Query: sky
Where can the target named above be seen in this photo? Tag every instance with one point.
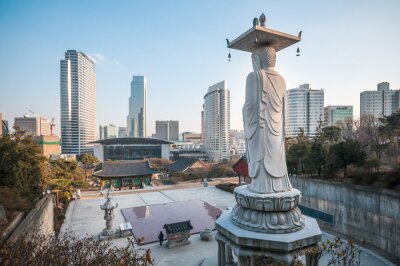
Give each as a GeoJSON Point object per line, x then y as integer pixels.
{"type": "Point", "coordinates": [347, 47]}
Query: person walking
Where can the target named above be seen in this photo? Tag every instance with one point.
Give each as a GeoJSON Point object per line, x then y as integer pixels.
{"type": "Point", "coordinates": [161, 237]}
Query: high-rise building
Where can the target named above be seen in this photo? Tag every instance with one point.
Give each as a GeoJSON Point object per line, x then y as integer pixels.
{"type": "Point", "coordinates": [304, 109]}
{"type": "Point", "coordinates": [78, 103]}
{"type": "Point", "coordinates": [202, 125]}
{"type": "Point", "coordinates": [383, 101]}
{"type": "Point", "coordinates": [217, 121]}
{"type": "Point", "coordinates": [35, 126]}
{"type": "Point", "coordinates": [122, 132]}
{"type": "Point", "coordinates": [108, 132]}
{"type": "Point", "coordinates": [5, 128]}
{"type": "Point", "coordinates": [167, 130]}
{"type": "Point", "coordinates": [334, 114]}
{"type": "Point", "coordinates": [1, 121]}
{"type": "Point", "coordinates": [137, 118]}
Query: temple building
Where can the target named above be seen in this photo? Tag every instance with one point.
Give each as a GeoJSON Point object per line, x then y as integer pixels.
{"type": "Point", "coordinates": [129, 174]}
{"type": "Point", "coordinates": [131, 149]}
{"type": "Point", "coordinates": [186, 165]}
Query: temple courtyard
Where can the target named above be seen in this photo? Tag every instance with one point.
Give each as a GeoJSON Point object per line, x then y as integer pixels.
{"type": "Point", "coordinates": [84, 217]}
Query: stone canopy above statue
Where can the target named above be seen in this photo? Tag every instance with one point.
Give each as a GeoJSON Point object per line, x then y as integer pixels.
{"type": "Point", "coordinates": [260, 36]}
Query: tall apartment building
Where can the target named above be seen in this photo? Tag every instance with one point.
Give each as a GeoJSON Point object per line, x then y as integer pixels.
{"type": "Point", "coordinates": [108, 132]}
{"type": "Point", "coordinates": [304, 108]}
{"type": "Point", "coordinates": [78, 103]}
{"type": "Point", "coordinates": [137, 118]}
{"type": "Point", "coordinates": [334, 114]}
{"type": "Point", "coordinates": [217, 121]}
{"type": "Point", "coordinates": [383, 101]}
{"type": "Point", "coordinates": [35, 126]}
{"type": "Point", "coordinates": [122, 132]}
{"type": "Point", "coordinates": [167, 130]}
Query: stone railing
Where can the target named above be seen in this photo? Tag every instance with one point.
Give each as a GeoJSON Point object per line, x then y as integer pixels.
{"type": "Point", "coordinates": [364, 213]}
{"type": "Point", "coordinates": [40, 219]}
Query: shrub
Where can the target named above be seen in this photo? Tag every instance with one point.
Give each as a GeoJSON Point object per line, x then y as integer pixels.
{"type": "Point", "coordinates": [12, 199]}
{"type": "Point", "coordinates": [67, 249]}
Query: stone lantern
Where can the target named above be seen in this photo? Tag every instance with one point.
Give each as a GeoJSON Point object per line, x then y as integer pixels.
{"type": "Point", "coordinates": [108, 208]}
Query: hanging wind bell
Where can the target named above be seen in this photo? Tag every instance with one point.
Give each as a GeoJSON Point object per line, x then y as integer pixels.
{"type": "Point", "coordinates": [298, 45]}
{"type": "Point", "coordinates": [229, 53]}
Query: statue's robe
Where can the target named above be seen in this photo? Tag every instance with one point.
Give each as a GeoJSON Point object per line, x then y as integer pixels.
{"type": "Point", "coordinates": [263, 119]}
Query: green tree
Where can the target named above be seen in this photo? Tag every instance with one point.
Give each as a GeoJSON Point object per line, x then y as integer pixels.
{"type": "Point", "coordinates": [88, 159]}
{"type": "Point", "coordinates": [390, 129]}
{"type": "Point", "coordinates": [22, 166]}
{"type": "Point", "coordinates": [296, 157]}
{"type": "Point", "coordinates": [346, 153]}
{"type": "Point", "coordinates": [331, 134]}
{"type": "Point", "coordinates": [65, 169]}
{"type": "Point", "coordinates": [316, 158]}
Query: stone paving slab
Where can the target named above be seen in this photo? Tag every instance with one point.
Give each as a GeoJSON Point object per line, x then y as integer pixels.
{"type": "Point", "coordinates": [85, 217]}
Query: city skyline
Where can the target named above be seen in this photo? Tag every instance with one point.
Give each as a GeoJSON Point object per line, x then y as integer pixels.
{"type": "Point", "coordinates": [186, 40]}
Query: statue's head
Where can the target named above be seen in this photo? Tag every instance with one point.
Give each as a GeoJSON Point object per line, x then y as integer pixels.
{"type": "Point", "coordinates": [263, 58]}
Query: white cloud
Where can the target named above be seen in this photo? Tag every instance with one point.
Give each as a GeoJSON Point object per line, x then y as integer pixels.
{"type": "Point", "coordinates": [97, 58]}
{"type": "Point", "coordinates": [100, 59]}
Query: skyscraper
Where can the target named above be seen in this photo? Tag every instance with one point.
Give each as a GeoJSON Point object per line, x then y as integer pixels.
{"type": "Point", "coordinates": [108, 132]}
{"type": "Point", "coordinates": [78, 102]}
{"type": "Point", "coordinates": [122, 132]}
{"type": "Point", "coordinates": [202, 126]}
{"type": "Point", "coordinates": [383, 101]}
{"type": "Point", "coordinates": [217, 121]}
{"type": "Point", "coordinates": [167, 130]}
{"type": "Point", "coordinates": [137, 118]}
{"type": "Point", "coordinates": [336, 114]}
{"type": "Point", "coordinates": [35, 126]}
{"type": "Point", "coordinates": [304, 108]}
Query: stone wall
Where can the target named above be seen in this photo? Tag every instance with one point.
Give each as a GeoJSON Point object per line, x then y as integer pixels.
{"type": "Point", "coordinates": [40, 219]}
{"type": "Point", "coordinates": [362, 212]}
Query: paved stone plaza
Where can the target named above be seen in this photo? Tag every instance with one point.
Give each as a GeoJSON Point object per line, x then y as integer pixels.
{"type": "Point", "coordinates": [84, 217]}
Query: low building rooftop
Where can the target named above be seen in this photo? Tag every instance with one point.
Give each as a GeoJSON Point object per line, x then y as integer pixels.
{"type": "Point", "coordinates": [126, 141]}
{"type": "Point", "coordinates": [125, 169]}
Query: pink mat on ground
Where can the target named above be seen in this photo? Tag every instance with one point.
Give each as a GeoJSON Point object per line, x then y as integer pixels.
{"type": "Point", "coordinates": [148, 221]}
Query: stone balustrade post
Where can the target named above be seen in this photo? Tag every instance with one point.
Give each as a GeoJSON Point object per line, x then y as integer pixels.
{"type": "Point", "coordinates": [253, 260]}
{"type": "Point", "coordinates": [221, 254]}
{"type": "Point", "coordinates": [311, 260]}
{"type": "Point", "coordinates": [229, 256]}
{"type": "Point", "coordinates": [242, 261]}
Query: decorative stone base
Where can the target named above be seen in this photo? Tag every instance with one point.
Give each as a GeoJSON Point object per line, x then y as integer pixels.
{"type": "Point", "coordinates": [274, 213]}
{"type": "Point", "coordinates": [250, 245]}
{"type": "Point", "coordinates": [178, 243]}
{"type": "Point", "coordinates": [268, 222]}
{"type": "Point", "coordinates": [279, 201]}
{"type": "Point", "coordinates": [107, 232]}
{"type": "Point", "coordinates": [111, 234]}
